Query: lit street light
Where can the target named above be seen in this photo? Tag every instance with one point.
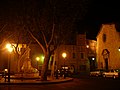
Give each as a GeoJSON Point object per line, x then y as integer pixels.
{"type": "Point", "coordinates": [40, 61]}
{"type": "Point", "coordinates": [37, 58]}
{"type": "Point", "coordinates": [10, 49]}
{"type": "Point", "coordinates": [5, 71]}
{"type": "Point", "coordinates": [64, 55]}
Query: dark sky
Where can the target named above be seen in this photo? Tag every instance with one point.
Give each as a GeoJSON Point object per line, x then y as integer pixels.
{"type": "Point", "coordinates": [88, 14]}
{"type": "Point", "coordinates": [99, 12]}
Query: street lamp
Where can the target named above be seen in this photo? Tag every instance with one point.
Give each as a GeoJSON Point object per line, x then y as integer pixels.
{"type": "Point", "coordinates": [37, 58]}
{"type": "Point", "coordinates": [5, 71]}
{"type": "Point", "coordinates": [64, 55]}
{"type": "Point", "coordinates": [10, 49]}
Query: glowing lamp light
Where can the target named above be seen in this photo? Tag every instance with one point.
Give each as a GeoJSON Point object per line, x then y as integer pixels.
{"type": "Point", "coordinates": [6, 70]}
{"type": "Point", "coordinates": [93, 58]}
{"type": "Point", "coordinates": [64, 55]}
{"type": "Point", "coordinates": [87, 46]}
{"type": "Point", "coordinates": [9, 47]}
{"type": "Point", "coordinates": [119, 49]}
{"type": "Point", "coordinates": [42, 57]}
{"type": "Point", "coordinates": [37, 58]}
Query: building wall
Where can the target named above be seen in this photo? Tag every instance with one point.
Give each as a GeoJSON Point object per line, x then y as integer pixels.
{"type": "Point", "coordinates": [111, 43]}
{"type": "Point", "coordinates": [81, 47]}
{"type": "Point", "coordinates": [69, 60]}
{"type": "Point", "coordinates": [76, 55]}
{"type": "Point", "coordinates": [91, 53]}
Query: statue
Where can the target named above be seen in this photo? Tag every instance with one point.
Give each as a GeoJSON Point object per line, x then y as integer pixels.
{"type": "Point", "coordinates": [27, 71]}
{"type": "Point", "coordinates": [27, 67]}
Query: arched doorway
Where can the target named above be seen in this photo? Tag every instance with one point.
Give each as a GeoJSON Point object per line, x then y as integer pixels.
{"type": "Point", "coordinates": [105, 54]}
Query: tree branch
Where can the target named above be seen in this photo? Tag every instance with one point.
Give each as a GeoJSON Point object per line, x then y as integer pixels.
{"type": "Point", "coordinates": [36, 40]}
{"type": "Point", "coordinates": [52, 34]}
{"type": "Point", "coordinates": [44, 38]}
{"type": "Point", "coordinates": [3, 27]}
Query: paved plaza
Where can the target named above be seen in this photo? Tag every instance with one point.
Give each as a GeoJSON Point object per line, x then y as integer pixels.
{"type": "Point", "coordinates": [35, 81]}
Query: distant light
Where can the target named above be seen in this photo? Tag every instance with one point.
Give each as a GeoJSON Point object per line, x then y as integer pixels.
{"type": "Point", "coordinates": [87, 46]}
{"type": "Point", "coordinates": [6, 70]}
{"type": "Point", "coordinates": [42, 57]}
{"type": "Point", "coordinates": [64, 55]}
{"type": "Point", "coordinates": [119, 49]}
{"type": "Point", "coordinates": [93, 58]}
{"type": "Point", "coordinates": [37, 58]}
{"type": "Point", "coordinates": [64, 67]}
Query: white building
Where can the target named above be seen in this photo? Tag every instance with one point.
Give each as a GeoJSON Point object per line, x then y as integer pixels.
{"type": "Point", "coordinates": [108, 44]}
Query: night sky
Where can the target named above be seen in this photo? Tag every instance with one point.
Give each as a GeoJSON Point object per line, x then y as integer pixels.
{"type": "Point", "coordinates": [99, 12]}
{"type": "Point", "coordinates": [88, 15]}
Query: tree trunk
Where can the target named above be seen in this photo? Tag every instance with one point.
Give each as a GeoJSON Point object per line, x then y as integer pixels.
{"type": "Point", "coordinates": [45, 67]}
{"type": "Point", "coordinates": [53, 69]}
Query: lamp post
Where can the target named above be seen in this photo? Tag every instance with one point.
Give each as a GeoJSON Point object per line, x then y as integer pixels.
{"type": "Point", "coordinates": [64, 55]}
{"type": "Point", "coordinates": [5, 71]}
{"type": "Point", "coordinates": [37, 58]}
{"type": "Point", "coordinates": [10, 49]}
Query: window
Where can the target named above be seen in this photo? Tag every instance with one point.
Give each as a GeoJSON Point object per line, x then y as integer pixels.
{"type": "Point", "coordinates": [81, 48]}
{"type": "Point", "coordinates": [104, 37]}
{"type": "Point", "coordinates": [82, 55]}
{"type": "Point", "coordinates": [73, 55]}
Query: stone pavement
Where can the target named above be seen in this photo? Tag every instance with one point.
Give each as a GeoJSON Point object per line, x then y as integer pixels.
{"type": "Point", "coordinates": [35, 81]}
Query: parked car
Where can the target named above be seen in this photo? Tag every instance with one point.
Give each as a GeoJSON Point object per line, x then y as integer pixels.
{"type": "Point", "coordinates": [96, 73]}
{"type": "Point", "coordinates": [111, 73]}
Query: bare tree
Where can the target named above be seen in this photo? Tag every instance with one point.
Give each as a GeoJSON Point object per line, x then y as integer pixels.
{"type": "Point", "coordinates": [48, 23]}
{"type": "Point", "coordinates": [48, 32]}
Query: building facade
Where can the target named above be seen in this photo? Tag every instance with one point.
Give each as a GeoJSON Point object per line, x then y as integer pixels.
{"type": "Point", "coordinates": [79, 56]}
{"type": "Point", "coordinates": [91, 53]}
{"type": "Point", "coordinates": [108, 45]}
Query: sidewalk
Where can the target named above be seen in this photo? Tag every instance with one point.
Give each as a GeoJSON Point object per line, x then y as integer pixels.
{"type": "Point", "coordinates": [35, 81]}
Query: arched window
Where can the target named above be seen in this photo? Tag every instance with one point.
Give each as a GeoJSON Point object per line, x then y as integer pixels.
{"type": "Point", "coordinates": [104, 37]}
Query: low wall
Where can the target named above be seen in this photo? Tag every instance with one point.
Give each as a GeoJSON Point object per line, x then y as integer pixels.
{"type": "Point", "coordinates": [27, 75]}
